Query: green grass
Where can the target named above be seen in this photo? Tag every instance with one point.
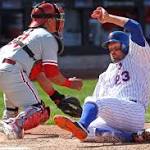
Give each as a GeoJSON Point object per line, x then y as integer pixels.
{"type": "Point", "coordinates": [86, 91]}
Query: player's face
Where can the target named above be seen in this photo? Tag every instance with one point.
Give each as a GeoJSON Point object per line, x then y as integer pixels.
{"type": "Point", "coordinates": [54, 26]}
{"type": "Point", "coordinates": [115, 51]}
{"type": "Point", "coordinates": [51, 25]}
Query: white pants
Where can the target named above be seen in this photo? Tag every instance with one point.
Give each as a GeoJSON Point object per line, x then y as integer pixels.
{"type": "Point", "coordinates": [119, 114]}
{"type": "Point", "coordinates": [17, 87]}
{"type": "Point", "coordinates": [10, 110]}
{"type": "Point", "coordinates": [100, 132]}
{"type": "Point", "coordinates": [98, 123]}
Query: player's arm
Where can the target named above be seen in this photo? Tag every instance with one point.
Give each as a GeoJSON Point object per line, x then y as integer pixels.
{"type": "Point", "coordinates": [50, 66]}
{"type": "Point", "coordinates": [68, 105]}
{"type": "Point", "coordinates": [38, 75]}
{"type": "Point", "coordinates": [47, 86]}
{"type": "Point", "coordinates": [45, 83]}
{"type": "Point", "coordinates": [130, 25]}
{"type": "Point", "coordinates": [135, 29]}
{"type": "Point", "coordinates": [53, 72]}
{"type": "Point", "coordinates": [104, 17]}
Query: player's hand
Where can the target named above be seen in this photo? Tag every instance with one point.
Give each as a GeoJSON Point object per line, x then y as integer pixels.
{"type": "Point", "coordinates": [76, 83]}
{"type": "Point", "coordinates": [100, 14]}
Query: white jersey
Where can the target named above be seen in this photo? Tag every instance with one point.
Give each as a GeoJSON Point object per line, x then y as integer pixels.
{"type": "Point", "coordinates": [42, 43]}
{"type": "Point", "coordinates": [128, 79]}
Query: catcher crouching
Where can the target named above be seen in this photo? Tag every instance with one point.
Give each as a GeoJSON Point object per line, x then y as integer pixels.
{"type": "Point", "coordinates": [39, 45]}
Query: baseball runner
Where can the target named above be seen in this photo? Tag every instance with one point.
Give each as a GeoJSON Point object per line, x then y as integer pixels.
{"type": "Point", "coordinates": [117, 107]}
{"type": "Point", "coordinates": [17, 59]}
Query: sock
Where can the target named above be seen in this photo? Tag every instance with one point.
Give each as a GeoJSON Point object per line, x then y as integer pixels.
{"type": "Point", "coordinates": [89, 114]}
{"type": "Point", "coordinates": [125, 135]}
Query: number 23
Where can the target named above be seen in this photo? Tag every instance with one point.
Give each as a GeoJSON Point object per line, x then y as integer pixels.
{"type": "Point", "coordinates": [124, 76]}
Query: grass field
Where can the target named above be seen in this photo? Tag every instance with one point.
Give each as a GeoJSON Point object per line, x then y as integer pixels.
{"type": "Point", "coordinates": [86, 90]}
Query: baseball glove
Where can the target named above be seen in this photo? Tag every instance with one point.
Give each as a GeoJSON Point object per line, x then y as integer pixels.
{"type": "Point", "coordinates": [70, 106]}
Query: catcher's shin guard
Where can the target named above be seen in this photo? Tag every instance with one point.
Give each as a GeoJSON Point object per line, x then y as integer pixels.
{"type": "Point", "coordinates": [32, 117]}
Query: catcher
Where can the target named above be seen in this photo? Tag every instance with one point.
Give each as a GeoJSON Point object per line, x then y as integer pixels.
{"type": "Point", "coordinates": [41, 42]}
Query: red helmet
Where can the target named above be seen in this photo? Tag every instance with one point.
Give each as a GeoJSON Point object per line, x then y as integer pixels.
{"type": "Point", "coordinates": [43, 11]}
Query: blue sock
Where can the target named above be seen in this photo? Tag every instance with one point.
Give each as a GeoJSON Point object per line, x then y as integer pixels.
{"type": "Point", "coordinates": [89, 114]}
{"type": "Point", "coordinates": [127, 136]}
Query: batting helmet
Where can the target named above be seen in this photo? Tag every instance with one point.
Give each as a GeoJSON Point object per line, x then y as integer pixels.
{"type": "Point", "coordinates": [45, 10]}
{"type": "Point", "coordinates": [118, 36]}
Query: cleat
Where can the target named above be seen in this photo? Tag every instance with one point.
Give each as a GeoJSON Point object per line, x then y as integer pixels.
{"type": "Point", "coordinates": [141, 136]}
{"type": "Point", "coordinates": [7, 121]}
{"type": "Point", "coordinates": [74, 127]}
{"type": "Point", "coordinates": [11, 130]}
{"type": "Point", "coordinates": [146, 135]}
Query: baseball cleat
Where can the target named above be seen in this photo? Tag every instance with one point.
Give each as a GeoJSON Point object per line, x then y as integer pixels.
{"type": "Point", "coordinates": [142, 136]}
{"type": "Point", "coordinates": [10, 120]}
{"type": "Point", "coordinates": [74, 127]}
{"type": "Point", "coordinates": [11, 130]}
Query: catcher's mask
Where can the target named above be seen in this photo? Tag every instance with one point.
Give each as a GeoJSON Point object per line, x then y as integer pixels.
{"type": "Point", "coordinates": [118, 36]}
{"type": "Point", "coordinates": [45, 10]}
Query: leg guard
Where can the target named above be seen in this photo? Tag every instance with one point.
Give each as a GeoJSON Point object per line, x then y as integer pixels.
{"type": "Point", "coordinates": [32, 117]}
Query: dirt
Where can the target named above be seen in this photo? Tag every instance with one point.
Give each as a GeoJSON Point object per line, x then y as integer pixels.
{"type": "Point", "coordinates": [50, 137]}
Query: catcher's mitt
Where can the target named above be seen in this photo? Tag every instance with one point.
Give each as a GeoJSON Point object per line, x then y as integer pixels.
{"type": "Point", "coordinates": [70, 106]}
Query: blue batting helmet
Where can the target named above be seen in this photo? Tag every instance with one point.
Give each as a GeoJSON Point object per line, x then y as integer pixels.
{"type": "Point", "coordinates": [118, 36]}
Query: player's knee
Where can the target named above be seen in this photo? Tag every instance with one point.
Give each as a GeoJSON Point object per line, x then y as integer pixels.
{"type": "Point", "coordinates": [90, 99]}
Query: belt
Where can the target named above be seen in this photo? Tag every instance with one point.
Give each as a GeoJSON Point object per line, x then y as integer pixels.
{"type": "Point", "coordinates": [9, 61]}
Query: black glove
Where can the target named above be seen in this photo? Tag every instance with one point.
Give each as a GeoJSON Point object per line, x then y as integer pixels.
{"type": "Point", "coordinates": [68, 105]}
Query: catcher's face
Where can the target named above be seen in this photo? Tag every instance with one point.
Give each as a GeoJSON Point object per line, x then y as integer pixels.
{"type": "Point", "coordinates": [115, 51]}
{"type": "Point", "coordinates": [56, 24]}
{"type": "Point", "coordinates": [53, 25]}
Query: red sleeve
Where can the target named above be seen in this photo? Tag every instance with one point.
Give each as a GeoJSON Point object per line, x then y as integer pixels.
{"type": "Point", "coordinates": [36, 69]}
{"type": "Point", "coordinates": [51, 70]}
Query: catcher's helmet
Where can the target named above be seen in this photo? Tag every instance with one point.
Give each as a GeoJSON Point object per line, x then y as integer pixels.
{"type": "Point", "coordinates": [118, 36]}
{"type": "Point", "coordinates": [45, 10]}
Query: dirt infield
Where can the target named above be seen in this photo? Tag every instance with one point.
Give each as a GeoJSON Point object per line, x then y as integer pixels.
{"type": "Point", "coordinates": [46, 137]}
